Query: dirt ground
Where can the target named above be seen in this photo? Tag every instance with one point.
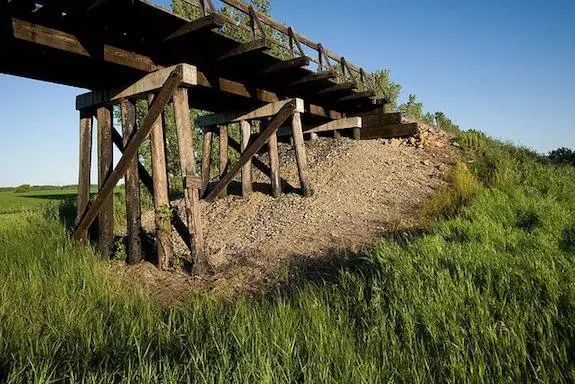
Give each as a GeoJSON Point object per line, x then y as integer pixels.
{"type": "Point", "coordinates": [362, 190]}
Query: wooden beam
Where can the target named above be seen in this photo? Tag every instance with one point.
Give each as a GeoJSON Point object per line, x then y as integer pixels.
{"type": "Point", "coordinates": [338, 88]}
{"type": "Point", "coordinates": [148, 83]}
{"type": "Point", "coordinates": [285, 65]}
{"type": "Point", "coordinates": [206, 158]}
{"type": "Point", "coordinates": [389, 131]}
{"type": "Point", "coordinates": [258, 45]}
{"type": "Point", "coordinates": [209, 22]}
{"type": "Point", "coordinates": [267, 110]}
{"type": "Point", "coordinates": [274, 165]}
{"type": "Point", "coordinates": [191, 192]}
{"type": "Point", "coordinates": [313, 78]}
{"type": "Point", "coordinates": [249, 152]}
{"type": "Point", "coordinates": [257, 163]}
{"type": "Point", "coordinates": [86, 123]}
{"type": "Point", "coordinates": [130, 152]}
{"type": "Point", "coordinates": [162, 208]}
{"type": "Point", "coordinates": [132, 185]}
{"type": "Point", "coordinates": [357, 96]}
{"type": "Point", "coordinates": [301, 158]}
{"type": "Point", "coordinates": [224, 148]}
{"type": "Point", "coordinates": [246, 133]}
{"type": "Point", "coordinates": [49, 37]}
{"type": "Point", "coordinates": [380, 119]}
{"type": "Point", "coordinates": [105, 166]}
{"type": "Point", "coordinates": [349, 122]}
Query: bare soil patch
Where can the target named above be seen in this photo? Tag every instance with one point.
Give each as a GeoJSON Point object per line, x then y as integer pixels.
{"type": "Point", "coordinates": [362, 190]}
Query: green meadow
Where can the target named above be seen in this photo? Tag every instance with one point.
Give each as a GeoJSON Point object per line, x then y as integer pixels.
{"type": "Point", "coordinates": [485, 294]}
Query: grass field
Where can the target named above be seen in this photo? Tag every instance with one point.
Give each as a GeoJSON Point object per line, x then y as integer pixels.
{"type": "Point", "coordinates": [11, 202]}
{"type": "Point", "coordinates": [485, 294]}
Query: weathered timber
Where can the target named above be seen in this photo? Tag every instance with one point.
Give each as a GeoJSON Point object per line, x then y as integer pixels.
{"type": "Point", "coordinates": [206, 158]}
{"type": "Point", "coordinates": [212, 21]}
{"type": "Point", "coordinates": [249, 152]}
{"type": "Point", "coordinates": [246, 132]}
{"type": "Point", "coordinates": [130, 152]}
{"type": "Point", "coordinates": [301, 158]}
{"type": "Point", "coordinates": [282, 66]}
{"type": "Point", "coordinates": [149, 83]}
{"type": "Point", "coordinates": [191, 194]}
{"type": "Point", "coordinates": [250, 47]}
{"type": "Point", "coordinates": [357, 134]}
{"type": "Point", "coordinates": [49, 37]}
{"type": "Point", "coordinates": [132, 186]}
{"type": "Point", "coordinates": [274, 165]}
{"type": "Point", "coordinates": [267, 110]}
{"type": "Point", "coordinates": [389, 131]}
{"type": "Point", "coordinates": [161, 198]}
{"type": "Point", "coordinates": [86, 123]}
{"type": "Point", "coordinates": [338, 88]}
{"type": "Point", "coordinates": [356, 96]}
{"type": "Point", "coordinates": [223, 151]}
{"type": "Point", "coordinates": [313, 78]}
{"type": "Point", "coordinates": [381, 119]}
{"type": "Point", "coordinates": [347, 123]}
{"type": "Point", "coordinates": [257, 163]}
{"type": "Point", "coordinates": [105, 165]}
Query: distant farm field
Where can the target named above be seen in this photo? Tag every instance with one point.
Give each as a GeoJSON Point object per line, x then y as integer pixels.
{"type": "Point", "coordinates": [11, 202]}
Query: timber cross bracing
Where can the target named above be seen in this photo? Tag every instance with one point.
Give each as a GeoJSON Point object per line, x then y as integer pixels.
{"type": "Point", "coordinates": [124, 50]}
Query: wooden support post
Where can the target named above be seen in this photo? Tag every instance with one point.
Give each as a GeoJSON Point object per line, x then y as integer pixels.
{"type": "Point", "coordinates": [223, 152]}
{"type": "Point", "coordinates": [250, 151]}
{"type": "Point", "coordinates": [161, 198]}
{"type": "Point", "coordinates": [81, 231]}
{"type": "Point", "coordinates": [246, 131]}
{"type": "Point", "coordinates": [274, 165]}
{"type": "Point", "coordinates": [132, 185]}
{"type": "Point", "coordinates": [105, 166]}
{"type": "Point", "coordinates": [206, 157]}
{"type": "Point", "coordinates": [357, 133]}
{"type": "Point", "coordinates": [192, 185]}
{"type": "Point", "coordinates": [85, 162]}
{"type": "Point", "coordinates": [336, 134]}
{"type": "Point", "coordinates": [299, 146]}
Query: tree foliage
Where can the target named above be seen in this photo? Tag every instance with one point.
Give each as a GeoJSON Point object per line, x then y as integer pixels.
{"type": "Point", "coordinates": [391, 90]}
{"type": "Point", "coordinates": [562, 156]}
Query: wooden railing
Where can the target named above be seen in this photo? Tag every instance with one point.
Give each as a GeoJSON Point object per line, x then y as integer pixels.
{"type": "Point", "coordinates": [291, 43]}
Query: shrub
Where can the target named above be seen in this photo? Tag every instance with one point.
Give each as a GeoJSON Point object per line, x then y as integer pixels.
{"type": "Point", "coordinates": [23, 188]}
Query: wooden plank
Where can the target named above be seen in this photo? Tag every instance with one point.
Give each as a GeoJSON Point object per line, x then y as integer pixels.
{"type": "Point", "coordinates": [132, 186]}
{"type": "Point", "coordinates": [349, 122]}
{"type": "Point", "coordinates": [246, 132]}
{"type": "Point", "coordinates": [56, 39]}
{"type": "Point", "coordinates": [148, 83]}
{"type": "Point", "coordinates": [224, 148]}
{"type": "Point", "coordinates": [274, 165]}
{"type": "Point", "coordinates": [206, 158]}
{"type": "Point", "coordinates": [209, 22]}
{"type": "Point", "coordinates": [323, 112]}
{"type": "Point", "coordinates": [249, 152]}
{"type": "Point", "coordinates": [191, 194]}
{"type": "Point", "coordinates": [356, 96]}
{"type": "Point", "coordinates": [313, 78]}
{"type": "Point", "coordinates": [267, 110]}
{"type": "Point", "coordinates": [388, 132]}
{"type": "Point", "coordinates": [258, 45]}
{"type": "Point", "coordinates": [301, 157]}
{"type": "Point", "coordinates": [357, 134]}
{"type": "Point", "coordinates": [285, 65]}
{"type": "Point", "coordinates": [381, 119]}
{"type": "Point", "coordinates": [80, 232]}
{"type": "Point", "coordinates": [105, 166]}
{"type": "Point", "coordinates": [338, 88]}
{"type": "Point", "coordinates": [161, 198]}
{"type": "Point", "coordinates": [85, 162]}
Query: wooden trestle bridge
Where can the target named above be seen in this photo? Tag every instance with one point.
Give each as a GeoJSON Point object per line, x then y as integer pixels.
{"type": "Point", "coordinates": [125, 50]}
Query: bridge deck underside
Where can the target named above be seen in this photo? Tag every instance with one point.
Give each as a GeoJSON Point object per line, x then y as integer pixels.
{"type": "Point", "coordinates": [142, 28]}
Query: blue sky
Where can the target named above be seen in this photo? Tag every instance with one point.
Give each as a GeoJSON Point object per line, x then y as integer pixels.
{"type": "Point", "coordinates": [503, 67]}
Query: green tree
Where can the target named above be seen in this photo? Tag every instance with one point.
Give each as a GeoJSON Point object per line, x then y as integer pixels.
{"type": "Point", "coordinates": [412, 108]}
{"type": "Point", "coordinates": [445, 123]}
{"type": "Point", "coordinates": [389, 90]}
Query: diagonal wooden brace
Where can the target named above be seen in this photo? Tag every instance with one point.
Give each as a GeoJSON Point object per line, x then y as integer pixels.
{"type": "Point", "coordinates": [251, 150]}
{"type": "Point", "coordinates": [131, 150]}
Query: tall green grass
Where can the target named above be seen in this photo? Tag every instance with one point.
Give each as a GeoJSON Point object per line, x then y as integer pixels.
{"type": "Point", "coordinates": [486, 294]}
